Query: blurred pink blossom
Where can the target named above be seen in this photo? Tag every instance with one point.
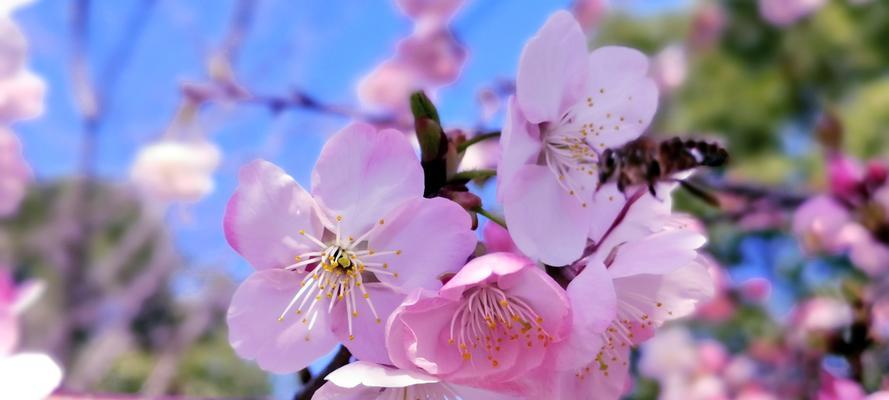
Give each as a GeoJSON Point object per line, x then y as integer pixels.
{"type": "Point", "coordinates": [15, 174]}
{"type": "Point", "coordinates": [482, 155]}
{"type": "Point", "coordinates": [821, 225]}
{"type": "Point", "coordinates": [833, 388]}
{"type": "Point", "coordinates": [880, 319]}
{"type": "Point", "coordinates": [437, 11]}
{"type": "Point", "coordinates": [845, 175]}
{"type": "Point", "coordinates": [176, 170]}
{"type": "Point", "coordinates": [365, 218]}
{"type": "Point", "coordinates": [24, 376]}
{"type": "Point", "coordinates": [817, 316]}
{"type": "Point", "coordinates": [589, 12]}
{"type": "Point", "coordinates": [786, 12]}
{"type": "Point", "coordinates": [497, 240]}
{"type": "Point", "coordinates": [21, 96]}
{"type": "Point", "coordinates": [13, 48]}
{"type": "Point", "coordinates": [670, 68]}
{"type": "Point", "coordinates": [755, 289]}
{"type": "Point", "coordinates": [434, 55]}
{"type": "Point", "coordinates": [708, 22]}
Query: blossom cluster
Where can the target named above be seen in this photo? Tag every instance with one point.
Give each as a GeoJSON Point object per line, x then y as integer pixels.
{"type": "Point", "coordinates": [21, 97]}
{"type": "Point", "coordinates": [550, 304]}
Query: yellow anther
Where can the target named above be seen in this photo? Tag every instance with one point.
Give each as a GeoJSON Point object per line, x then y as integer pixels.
{"type": "Point", "coordinates": [339, 218]}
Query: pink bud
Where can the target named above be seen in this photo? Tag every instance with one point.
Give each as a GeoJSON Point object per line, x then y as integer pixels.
{"type": "Point", "coordinates": [844, 173]}
{"type": "Point", "coordinates": [876, 173]}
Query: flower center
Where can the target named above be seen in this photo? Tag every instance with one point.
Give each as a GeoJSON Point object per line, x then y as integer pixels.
{"type": "Point", "coordinates": [337, 272]}
{"type": "Point", "coordinates": [488, 317]}
{"type": "Point", "coordinates": [569, 152]}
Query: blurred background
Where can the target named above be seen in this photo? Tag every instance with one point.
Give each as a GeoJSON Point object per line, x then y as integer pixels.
{"type": "Point", "coordinates": [151, 106]}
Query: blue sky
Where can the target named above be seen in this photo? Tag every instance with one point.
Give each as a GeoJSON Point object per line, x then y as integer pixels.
{"type": "Point", "coordinates": [322, 48]}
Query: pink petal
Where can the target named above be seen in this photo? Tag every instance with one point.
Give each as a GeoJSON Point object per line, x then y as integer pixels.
{"type": "Point", "coordinates": [9, 332]}
{"type": "Point", "coordinates": [255, 332]}
{"type": "Point", "coordinates": [417, 335]}
{"type": "Point", "coordinates": [434, 236]}
{"type": "Point", "coordinates": [441, 10]}
{"type": "Point", "coordinates": [23, 97]}
{"type": "Point", "coordinates": [497, 239]}
{"type": "Point", "coordinates": [552, 72]}
{"type": "Point", "coordinates": [369, 343]}
{"type": "Point", "coordinates": [658, 253]}
{"type": "Point", "coordinates": [644, 213]}
{"type": "Point", "coordinates": [543, 294]}
{"type": "Point", "coordinates": [363, 174]}
{"type": "Point", "coordinates": [374, 375]}
{"type": "Point", "coordinates": [520, 144]}
{"type": "Point", "coordinates": [265, 214]}
{"type": "Point", "coordinates": [607, 384]}
{"type": "Point", "coordinates": [330, 391]}
{"type": "Point", "coordinates": [624, 99]}
{"type": "Point", "coordinates": [29, 376]}
{"type": "Point", "coordinates": [593, 307]}
{"type": "Point", "coordinates": [546, 222]}
{"type": "Point", "coordinates": [485, 269]}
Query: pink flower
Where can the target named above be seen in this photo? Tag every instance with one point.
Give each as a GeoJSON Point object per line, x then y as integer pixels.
{"type": "Point", "coordinates": [589, 12]}
{"type": "Point", "coordinates": [21, 96]}
{"type": "Point", "coordinates": [15, 174]}
{"type": "Point", "coordinates": [388, 87]}
{"type": "Point", "coordinates": [434, 11]}
{"type": "Point", "coordinates": [670, 68]}
{"type": "Point", "coordinates": [368, 381]}
{"type": "Point", "coordinates": [845, 175]}
{"type": "Point", "coordinates": [708, 22]}
{"type": "Point", "coordinates": [173, 170]}
{"type": "Point", "coordinates": [880, 319]}
{"type": "Point", "coordinates": [491, 324]}
{"type": "Point", "coordinates": [433, 54]}
{"type": "Point", "coordinates": [820, 223]}
{"type": "Point", "coordinates": [13, 48]}
{"type": "Point", "coordinates": [817, 316]}
{"type": "Point", "coordinates": [786, 12]}
{"type": "Point", "coordinates": [331, 265]}
{"type": "Point", "coordinates": [569, 105]}
{"type": "Point", "coordinates": [646, 273]}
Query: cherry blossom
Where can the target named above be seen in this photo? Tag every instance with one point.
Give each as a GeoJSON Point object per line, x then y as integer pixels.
{"type": "Point", "coordinates": [368, 381]}
{"type": "Point", "coordinates": [490, 324]}
{"type": "Point", "coordinates": [27, 375]}
{"type": "Point", "coordinates": [175, 170]}
{"type": "Point", "coordinates": [787, 12]}
{"type": "Point", "coordinates": [569, 106]}
{"type": "Point", "coordinates": [331, 264]}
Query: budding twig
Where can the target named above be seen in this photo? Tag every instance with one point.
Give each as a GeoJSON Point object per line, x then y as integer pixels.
{"type": "Point", "coordinates": [495, 219]}
{"type": "Point", "coordinates": [477, 138]}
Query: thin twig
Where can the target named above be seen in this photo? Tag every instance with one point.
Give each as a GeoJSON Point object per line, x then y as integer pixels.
{"type": "Point", "coordinates": [340, 359]}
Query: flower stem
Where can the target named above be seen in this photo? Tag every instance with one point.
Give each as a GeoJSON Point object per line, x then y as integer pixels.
{"type": "Point", "coordinates": [485, 213]}
{"type": "Point", "coordinates": [473, 174]}
{"type": "Point", "coordinates": [477, 138]}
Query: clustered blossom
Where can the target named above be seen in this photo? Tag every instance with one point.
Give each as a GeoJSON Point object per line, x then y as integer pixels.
{"type": "Point", "coordinates": [550, 305]}
{"type": "Point", "coordinates": [176, 170]}
{"type": "Point", "coordinates": [852, 219]}
{"type": "Point", "coordinates": [21, 97]}
{"type": "Point", "coordinates": [429, 58]}
{"type": "Point", "coordinates": [24, 375]}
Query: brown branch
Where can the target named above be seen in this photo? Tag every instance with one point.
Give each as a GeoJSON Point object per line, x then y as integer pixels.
{"type": "Point", "coordinates": [340, 359]}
